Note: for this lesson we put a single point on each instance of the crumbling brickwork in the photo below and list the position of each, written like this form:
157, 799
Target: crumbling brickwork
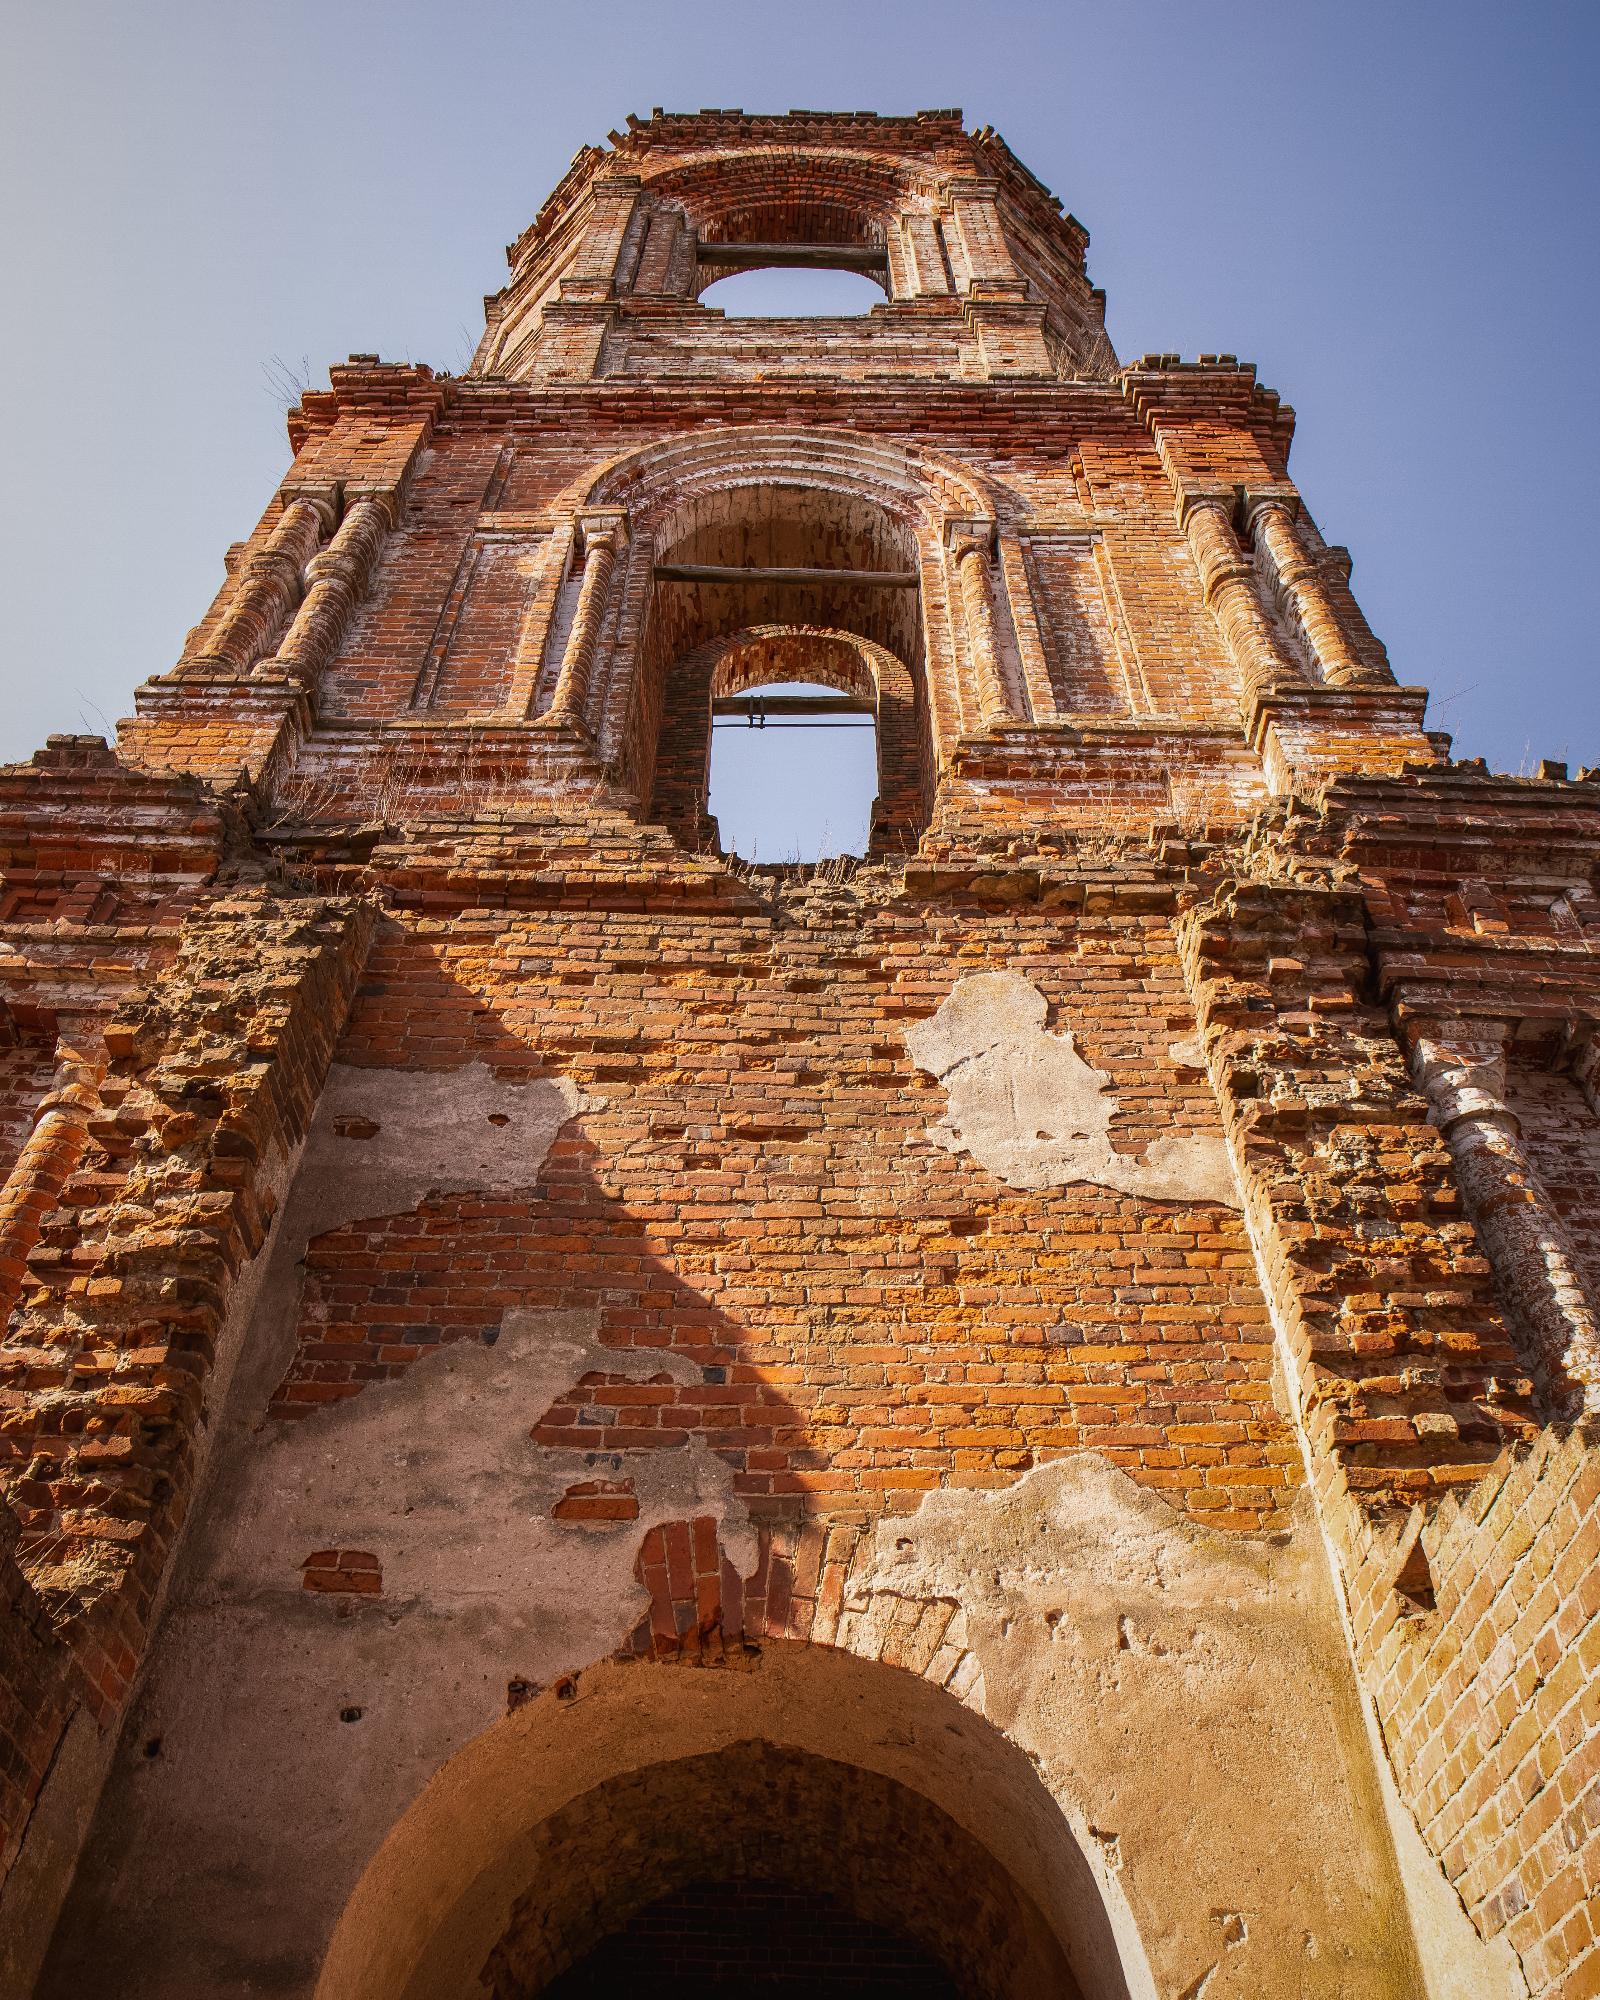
530, 1338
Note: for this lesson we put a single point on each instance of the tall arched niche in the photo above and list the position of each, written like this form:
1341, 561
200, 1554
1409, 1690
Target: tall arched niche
814, 499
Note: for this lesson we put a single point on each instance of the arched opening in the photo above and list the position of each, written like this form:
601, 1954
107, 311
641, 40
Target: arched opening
771, 212
838, 498
769, 292
812, 742
804, 1781
759, 591
794, 773
789, 1872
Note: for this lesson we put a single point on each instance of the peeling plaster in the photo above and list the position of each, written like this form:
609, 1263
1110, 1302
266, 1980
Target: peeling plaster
1031, 1110
1161, 1678
382, 1142
436, 1474
384, 1139
1167, 1680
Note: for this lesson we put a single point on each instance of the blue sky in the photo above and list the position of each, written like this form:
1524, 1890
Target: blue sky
1389, 208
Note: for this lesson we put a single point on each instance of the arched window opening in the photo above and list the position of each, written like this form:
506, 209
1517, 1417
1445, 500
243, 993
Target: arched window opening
793, 293
754, 589
794, 773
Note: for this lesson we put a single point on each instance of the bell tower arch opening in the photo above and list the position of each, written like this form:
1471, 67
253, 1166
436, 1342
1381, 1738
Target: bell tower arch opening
862, 1811
789, 608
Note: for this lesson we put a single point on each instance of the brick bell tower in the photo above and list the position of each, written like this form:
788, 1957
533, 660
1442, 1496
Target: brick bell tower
1011, 1418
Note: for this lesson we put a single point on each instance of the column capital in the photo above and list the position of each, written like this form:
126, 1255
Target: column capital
601, 527
1198, 495
1461, 1068
1277, 496
966, 534
384, 497
324, 496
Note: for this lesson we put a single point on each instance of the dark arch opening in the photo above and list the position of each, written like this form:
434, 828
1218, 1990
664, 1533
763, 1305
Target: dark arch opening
754, 1937
504, 1830
756, 1864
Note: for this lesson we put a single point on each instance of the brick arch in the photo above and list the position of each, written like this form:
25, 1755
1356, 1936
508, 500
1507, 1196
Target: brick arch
666, 488
914, 486
757, 657
833, 1678
765, 195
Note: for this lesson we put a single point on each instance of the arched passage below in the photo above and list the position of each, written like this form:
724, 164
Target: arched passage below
497, 1848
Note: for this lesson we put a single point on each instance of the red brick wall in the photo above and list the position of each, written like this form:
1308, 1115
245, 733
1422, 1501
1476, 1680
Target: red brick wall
1155, 842
1562, 1135
756, 1193
1490, 1704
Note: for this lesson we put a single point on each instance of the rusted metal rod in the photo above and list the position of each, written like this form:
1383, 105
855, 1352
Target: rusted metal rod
792, 704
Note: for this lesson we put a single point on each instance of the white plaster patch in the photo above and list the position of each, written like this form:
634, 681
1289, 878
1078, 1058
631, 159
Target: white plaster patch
1029, 1108
385, 1139
437, 1475
1074, 1542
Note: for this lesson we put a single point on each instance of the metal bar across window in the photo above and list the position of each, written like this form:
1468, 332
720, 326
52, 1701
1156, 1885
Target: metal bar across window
792, 704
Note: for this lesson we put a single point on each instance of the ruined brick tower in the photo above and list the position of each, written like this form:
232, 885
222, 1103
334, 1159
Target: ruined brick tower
1010, 1419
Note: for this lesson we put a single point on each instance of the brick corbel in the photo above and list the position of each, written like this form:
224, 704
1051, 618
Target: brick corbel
1307, 735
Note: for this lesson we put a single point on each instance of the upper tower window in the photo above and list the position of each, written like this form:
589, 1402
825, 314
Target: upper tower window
792, 259
793, 293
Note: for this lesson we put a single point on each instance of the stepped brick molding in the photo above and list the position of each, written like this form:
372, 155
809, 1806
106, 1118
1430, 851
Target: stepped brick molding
1013, 1414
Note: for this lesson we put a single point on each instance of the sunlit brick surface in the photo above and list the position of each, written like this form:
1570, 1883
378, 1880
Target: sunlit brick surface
559, 1383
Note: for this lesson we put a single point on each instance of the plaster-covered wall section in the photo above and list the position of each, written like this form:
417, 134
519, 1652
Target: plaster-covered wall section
1029, 1108
393, 1565
1167, 1680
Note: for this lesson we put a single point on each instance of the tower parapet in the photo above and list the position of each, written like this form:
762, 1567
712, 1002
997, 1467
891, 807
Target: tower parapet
983, 275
